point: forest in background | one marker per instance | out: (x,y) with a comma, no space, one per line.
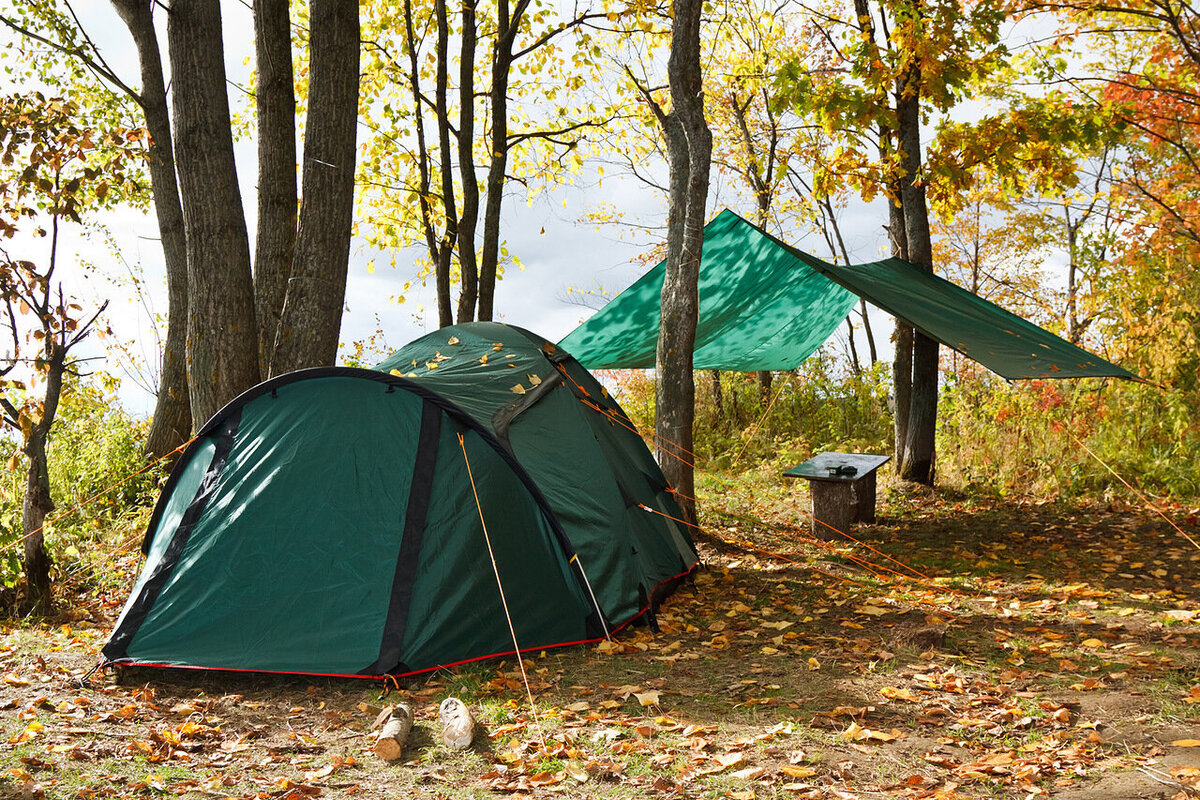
(1057,156)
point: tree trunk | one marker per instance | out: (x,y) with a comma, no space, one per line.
(919,441)
(312,311)
(172,421)
(37,501)
(689,149)
(450,236)
(37,504)
(275,103)
(855,366)
(502,57)
(466,168)
(902,341)
(222,343)
(862,308)
(718,398)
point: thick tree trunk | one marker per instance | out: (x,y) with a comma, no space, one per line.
(919,441)
(275,103)
(689,148)
(222,344)
(312,311)
(466,168)
(172,421)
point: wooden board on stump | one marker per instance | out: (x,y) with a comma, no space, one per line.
(843,490)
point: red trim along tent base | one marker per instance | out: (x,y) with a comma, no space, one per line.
(391,521)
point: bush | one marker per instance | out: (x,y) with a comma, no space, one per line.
(739,425)
(1027,438)
(1033,437)
(94,445)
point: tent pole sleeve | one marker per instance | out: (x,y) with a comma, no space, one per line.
(130,622)
(424,468)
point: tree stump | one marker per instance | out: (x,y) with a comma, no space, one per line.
(834,508)
(864,498)
(390,742)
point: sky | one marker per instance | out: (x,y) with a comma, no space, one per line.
(559,253)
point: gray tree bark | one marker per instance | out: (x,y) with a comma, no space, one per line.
(275,104)
(919,440)
(37,501)
(172,420)
(312,311)
(222,338)
(689,149)
(445,247)
(467,265)
(502,59)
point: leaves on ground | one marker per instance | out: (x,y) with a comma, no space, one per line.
(1048,651)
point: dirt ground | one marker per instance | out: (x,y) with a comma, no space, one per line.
(962,649)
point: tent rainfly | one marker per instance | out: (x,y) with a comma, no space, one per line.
(339,521)
(764,305)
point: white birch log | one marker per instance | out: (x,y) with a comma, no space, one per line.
(459,725)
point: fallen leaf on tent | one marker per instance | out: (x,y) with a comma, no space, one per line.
(497,345)
(431,364)
(518,389)
(453,340)
(1186,743)
(892,693)
(534,380)
(397,373)
(797,772)
(483,359)
(647,698)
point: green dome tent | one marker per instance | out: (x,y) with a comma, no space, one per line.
(329,521)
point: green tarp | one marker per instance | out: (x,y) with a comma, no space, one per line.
(326,520)
(765,305)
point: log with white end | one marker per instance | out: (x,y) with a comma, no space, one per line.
(390,742)
(459,725)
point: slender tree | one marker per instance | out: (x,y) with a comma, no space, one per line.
(689,150)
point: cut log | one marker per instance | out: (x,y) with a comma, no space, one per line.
(390,743)
(459,725)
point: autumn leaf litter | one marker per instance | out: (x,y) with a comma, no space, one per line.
(1051,652)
